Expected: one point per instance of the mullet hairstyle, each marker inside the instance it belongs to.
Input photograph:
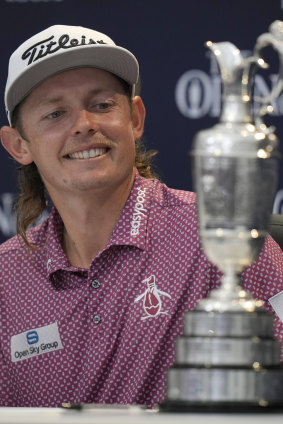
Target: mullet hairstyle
(32, 199)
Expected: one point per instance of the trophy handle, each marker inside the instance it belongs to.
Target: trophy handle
(272, 38)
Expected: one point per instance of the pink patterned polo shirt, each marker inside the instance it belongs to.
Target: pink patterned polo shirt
(106, 334)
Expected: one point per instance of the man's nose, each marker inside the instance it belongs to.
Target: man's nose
(84, 123)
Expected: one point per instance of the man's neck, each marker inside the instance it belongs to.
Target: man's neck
(89, 223)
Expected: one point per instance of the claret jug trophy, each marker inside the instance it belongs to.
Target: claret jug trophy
(227, 358)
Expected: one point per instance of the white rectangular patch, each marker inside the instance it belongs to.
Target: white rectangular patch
(35, 342)
(277, 304)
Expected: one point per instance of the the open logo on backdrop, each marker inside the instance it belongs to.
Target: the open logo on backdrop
(198, 93)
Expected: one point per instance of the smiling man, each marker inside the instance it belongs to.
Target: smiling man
(80, 131)
(93, 299)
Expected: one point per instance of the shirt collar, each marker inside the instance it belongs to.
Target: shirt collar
(56, 258)
(131, 228)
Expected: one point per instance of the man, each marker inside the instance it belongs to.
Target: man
(93, 299)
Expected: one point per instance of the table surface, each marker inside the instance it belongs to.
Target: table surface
(132, 415)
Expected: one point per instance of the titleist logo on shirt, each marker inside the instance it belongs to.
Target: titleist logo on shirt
(49, 46)
(139, 212)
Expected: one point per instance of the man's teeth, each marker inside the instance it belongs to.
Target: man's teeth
(86, 154)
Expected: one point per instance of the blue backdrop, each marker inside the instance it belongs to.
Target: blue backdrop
(180, 84)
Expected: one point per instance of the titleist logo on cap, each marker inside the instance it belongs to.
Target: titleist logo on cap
(49, 46)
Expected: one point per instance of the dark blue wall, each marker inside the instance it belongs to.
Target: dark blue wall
(168, 39)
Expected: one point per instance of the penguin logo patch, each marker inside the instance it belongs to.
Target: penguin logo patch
(151, 299)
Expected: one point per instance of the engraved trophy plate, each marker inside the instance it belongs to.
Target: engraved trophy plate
(227, 358)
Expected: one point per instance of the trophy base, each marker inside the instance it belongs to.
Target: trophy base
(216, 385)
(219, 407)
(226, 362)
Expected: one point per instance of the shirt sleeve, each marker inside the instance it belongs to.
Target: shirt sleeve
(264, 279)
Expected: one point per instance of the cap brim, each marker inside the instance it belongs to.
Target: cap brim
(114, 59)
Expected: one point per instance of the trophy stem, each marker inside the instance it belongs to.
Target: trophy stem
(230, 281)
(229, 297)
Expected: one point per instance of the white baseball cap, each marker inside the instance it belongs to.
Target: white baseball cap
(59, 48)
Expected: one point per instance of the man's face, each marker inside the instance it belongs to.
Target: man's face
(80, 132)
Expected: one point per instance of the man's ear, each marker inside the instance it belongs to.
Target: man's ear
(15, 145)
(138, 117)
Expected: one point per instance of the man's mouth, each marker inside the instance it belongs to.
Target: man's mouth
(87, 154)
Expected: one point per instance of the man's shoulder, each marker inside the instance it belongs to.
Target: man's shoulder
(11, 244)
(170, 197)
(36, 236)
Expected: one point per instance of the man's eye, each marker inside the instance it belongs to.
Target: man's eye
(55, 114)
(103, 106)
